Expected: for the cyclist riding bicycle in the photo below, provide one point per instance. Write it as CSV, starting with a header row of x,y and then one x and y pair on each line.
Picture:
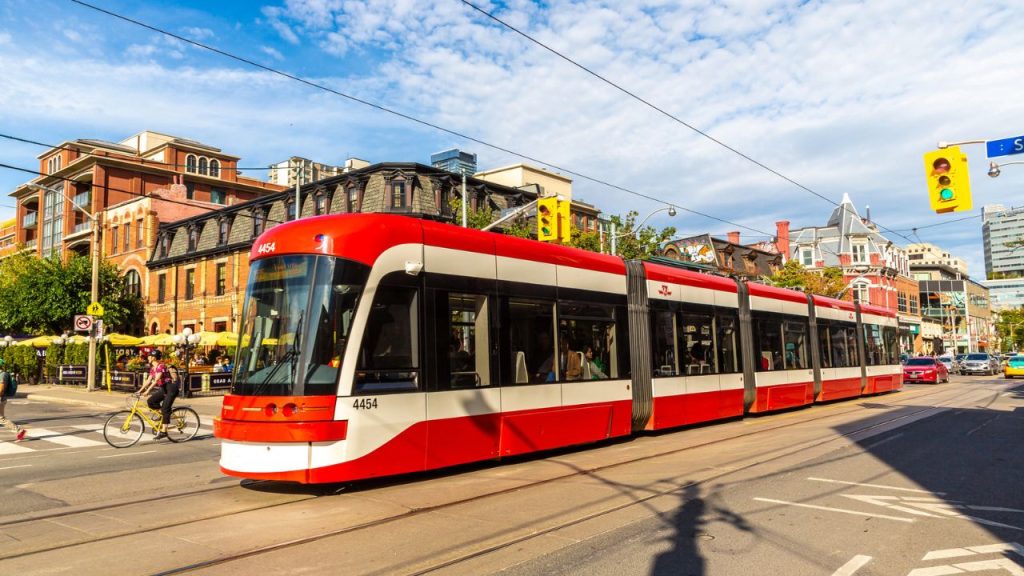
x,y
165,387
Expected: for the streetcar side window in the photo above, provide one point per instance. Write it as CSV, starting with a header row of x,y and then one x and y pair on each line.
x,y
663,339
389,355
467,338
823,344
795,335
531,327
842,340
768,343
728,350
891,344
697,342
874,345
586,341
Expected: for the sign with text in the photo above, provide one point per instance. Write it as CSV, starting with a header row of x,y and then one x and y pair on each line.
x,y
72,372
1005,147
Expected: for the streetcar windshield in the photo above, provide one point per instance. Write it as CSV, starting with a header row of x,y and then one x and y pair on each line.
x,y
295,324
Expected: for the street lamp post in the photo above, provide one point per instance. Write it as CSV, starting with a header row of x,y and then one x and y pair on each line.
x,y
671,212
90,382
186,341
994,168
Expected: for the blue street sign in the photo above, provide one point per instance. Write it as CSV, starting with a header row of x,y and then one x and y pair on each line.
x,y
1005,147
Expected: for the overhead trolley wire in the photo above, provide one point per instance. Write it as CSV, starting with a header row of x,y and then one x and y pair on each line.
x,y
661,110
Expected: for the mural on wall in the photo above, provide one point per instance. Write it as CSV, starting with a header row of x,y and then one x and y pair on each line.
x,y
698,250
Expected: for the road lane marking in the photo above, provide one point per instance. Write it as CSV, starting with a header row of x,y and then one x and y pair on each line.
x,y
855,563
127,454
69,440
18,466
7,448
875,486
840,510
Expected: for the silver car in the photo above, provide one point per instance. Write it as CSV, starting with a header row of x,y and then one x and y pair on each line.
x,y
980,363
950,363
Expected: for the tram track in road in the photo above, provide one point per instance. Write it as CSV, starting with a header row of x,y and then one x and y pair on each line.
x,y
904,400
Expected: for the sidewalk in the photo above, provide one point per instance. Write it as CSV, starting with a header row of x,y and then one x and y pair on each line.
x,y
207,406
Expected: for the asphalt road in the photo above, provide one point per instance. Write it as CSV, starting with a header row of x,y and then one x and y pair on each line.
x,y
64,460
943,495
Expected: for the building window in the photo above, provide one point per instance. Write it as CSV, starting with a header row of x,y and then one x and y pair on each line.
x,y
861,293
223,231
807,256
113,240
901,301
165,245
913,304
220,326
161,288
53,164
193,238
140,232
222,278
133,283
321,204
398,194
218,196
860,253
53,220
203,165
190,163
127,236
190,284
190,190
353,199
290,205
259,221
215,168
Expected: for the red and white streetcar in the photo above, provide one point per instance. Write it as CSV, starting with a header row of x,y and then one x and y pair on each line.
x,y
374,345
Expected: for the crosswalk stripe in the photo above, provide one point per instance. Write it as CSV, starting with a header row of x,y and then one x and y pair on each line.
x,y
8,448
69,440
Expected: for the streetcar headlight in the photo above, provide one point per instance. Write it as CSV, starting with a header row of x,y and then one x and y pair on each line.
x,y
289,410
270,409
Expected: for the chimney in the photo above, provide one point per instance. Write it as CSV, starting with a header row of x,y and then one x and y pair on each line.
x,y
868,214
782,238
734,237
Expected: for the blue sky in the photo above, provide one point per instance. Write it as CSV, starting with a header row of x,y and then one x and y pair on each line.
x,y
842,97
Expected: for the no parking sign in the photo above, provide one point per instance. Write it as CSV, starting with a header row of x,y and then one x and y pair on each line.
x,y
83,323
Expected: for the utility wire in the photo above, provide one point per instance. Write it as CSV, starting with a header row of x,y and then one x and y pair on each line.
x,y
403,115
660,110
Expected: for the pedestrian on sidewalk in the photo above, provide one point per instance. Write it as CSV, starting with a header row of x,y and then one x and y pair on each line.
x,y
8,387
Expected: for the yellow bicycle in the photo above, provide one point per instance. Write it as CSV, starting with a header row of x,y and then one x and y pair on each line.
x,y
125,428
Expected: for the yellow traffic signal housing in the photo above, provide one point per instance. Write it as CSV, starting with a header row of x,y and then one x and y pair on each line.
x,y
547,219
949,185
564,222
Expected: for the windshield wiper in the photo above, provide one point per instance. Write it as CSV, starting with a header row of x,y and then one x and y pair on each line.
x,y
290,356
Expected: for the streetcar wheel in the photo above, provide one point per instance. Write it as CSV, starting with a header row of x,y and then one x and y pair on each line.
x,y
184,425
123,429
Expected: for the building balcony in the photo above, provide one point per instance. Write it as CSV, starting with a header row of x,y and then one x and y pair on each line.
x,y
30,220
82,227
30,244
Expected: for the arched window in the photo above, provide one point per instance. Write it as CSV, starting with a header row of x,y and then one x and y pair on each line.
x,y
215,168
203,162
320,202
353,199
190,163
193,238
133,283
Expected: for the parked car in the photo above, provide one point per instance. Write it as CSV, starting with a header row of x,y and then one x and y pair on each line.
x,y
952,366
925,369
980,363
1014,366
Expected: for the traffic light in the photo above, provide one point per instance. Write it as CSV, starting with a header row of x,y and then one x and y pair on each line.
x,y
949,185
564,226
547,219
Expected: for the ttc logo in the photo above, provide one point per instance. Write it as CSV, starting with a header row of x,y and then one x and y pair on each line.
x,y
664,290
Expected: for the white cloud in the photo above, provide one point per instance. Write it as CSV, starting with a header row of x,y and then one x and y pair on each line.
x,y
272,52
841,97
197,33
5,38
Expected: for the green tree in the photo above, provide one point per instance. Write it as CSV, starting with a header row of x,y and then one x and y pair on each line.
x,y
41,296
1010,328
474,218
827,282
632,243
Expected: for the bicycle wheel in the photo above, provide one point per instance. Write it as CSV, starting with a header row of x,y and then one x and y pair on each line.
x,y
184,425
123,429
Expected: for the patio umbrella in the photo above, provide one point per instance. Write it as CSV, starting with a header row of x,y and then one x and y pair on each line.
x,y
209,338
227,339
124,340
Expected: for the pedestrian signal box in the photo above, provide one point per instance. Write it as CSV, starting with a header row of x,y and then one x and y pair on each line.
x,y
547,219
949,185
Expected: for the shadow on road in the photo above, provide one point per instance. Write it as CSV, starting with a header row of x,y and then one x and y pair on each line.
x,y
687,523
